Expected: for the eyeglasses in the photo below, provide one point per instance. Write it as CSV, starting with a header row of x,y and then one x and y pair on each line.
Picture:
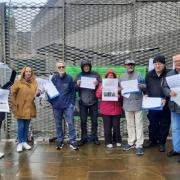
x,y
177,61
61,67
130,64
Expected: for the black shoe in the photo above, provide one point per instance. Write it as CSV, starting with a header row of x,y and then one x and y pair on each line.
x,y
149,144
178,160
172,153
162,148
82,142
59,145
97,142
74,146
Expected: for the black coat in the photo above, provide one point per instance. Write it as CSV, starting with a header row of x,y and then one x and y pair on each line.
x,y
154,84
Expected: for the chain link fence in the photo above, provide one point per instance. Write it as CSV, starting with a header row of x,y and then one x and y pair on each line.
x,y
110,31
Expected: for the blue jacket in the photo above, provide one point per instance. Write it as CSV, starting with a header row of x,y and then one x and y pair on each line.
x,y
66,88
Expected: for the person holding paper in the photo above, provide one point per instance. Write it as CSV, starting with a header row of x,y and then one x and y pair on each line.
x,y
7,85
159,121
111,112
63,105
174,108
88,103
132,105
23,93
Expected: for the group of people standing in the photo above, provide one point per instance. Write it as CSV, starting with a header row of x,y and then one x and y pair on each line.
x,y
25,89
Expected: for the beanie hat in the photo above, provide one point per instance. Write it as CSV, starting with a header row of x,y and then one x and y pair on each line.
x,y
159,59
110,71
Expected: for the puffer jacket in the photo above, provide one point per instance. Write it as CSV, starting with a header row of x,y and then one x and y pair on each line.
x,y
109,107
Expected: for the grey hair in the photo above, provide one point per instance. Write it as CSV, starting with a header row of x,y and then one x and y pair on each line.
x,y
60,62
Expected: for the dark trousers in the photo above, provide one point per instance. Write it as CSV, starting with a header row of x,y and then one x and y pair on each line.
x,y
159,124
92,111
112,123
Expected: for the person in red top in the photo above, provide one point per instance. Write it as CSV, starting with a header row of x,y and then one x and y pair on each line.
x,y
111,112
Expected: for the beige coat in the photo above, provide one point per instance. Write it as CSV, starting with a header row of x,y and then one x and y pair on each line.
x,y
22,97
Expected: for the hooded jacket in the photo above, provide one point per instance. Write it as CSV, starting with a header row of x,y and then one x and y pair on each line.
x,y
87,96
22,97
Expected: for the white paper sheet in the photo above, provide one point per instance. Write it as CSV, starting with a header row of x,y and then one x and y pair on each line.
x,y
110,89
129,86
4,66
4,105
51,90
173,81
151,65
87,82
127,95
176,98
41,83
151,103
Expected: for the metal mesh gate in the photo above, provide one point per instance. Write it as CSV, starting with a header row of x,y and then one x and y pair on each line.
x,y
109,31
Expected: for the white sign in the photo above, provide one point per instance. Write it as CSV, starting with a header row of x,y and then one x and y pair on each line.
x,y
129,86
41,83
110,89
173,81
4,66
151,65
87,82
4,105
176,98
152,103
51,90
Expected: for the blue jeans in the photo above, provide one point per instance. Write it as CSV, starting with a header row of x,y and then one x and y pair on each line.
x,y
58,115
175,123
22,131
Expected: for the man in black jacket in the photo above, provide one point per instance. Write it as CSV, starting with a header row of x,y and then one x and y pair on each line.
x,y
88,103
159,121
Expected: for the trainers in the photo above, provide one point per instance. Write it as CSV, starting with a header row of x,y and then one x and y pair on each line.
x,y
109,146
74,146
19,147
118,145
178,160
139,151
127,147
96,141
1,154
59,145
82,142
26,146
172,153
149,144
